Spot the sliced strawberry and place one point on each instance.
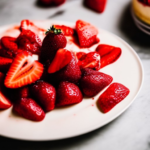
(65, 29)
(23, 71)
(4, 101)
(115, 93)
(110, 57)
(87, 33)
(29, 109)
(28, 25)
(61, 59)
(29, 41)
(58, 2)
(5, 63)
(104, 49)
(9, 47)
(89, 60)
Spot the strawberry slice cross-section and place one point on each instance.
(23, 71)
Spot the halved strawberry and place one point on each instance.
(61, 59)
(108, 53)
(4, 101)
(28, 25)
(65, 29)
(5, 63)
(23, 71)
(87, 33)
(89, 60)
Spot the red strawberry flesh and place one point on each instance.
(4, 101)
(68, 94)
(23, 71)
(115, 93)
(89, 60)
(70, 73)
(65, 29)
(61, 59)
(29, 109)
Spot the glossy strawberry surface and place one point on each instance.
(89, 60)
(93, 82)
(114, 94)
(45, 94)
(51, 43)
(67, 94)
(9, 47)
(87, 33)
(29, 109)
(29, 41)
(70, 73)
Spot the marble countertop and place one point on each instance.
(131, 130)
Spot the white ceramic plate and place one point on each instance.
(83, 117)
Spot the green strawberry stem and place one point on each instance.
(53, 30)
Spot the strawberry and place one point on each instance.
(61, 59)
(45, 94)
(9, 47)
(89, 60)
(5, 63)
(29, 41)
(28, 25)
(109, 54)
(45, 2)
(4, 101)
(58, 2)
(94, 82)
(65, 29)
(23, 71)
(70, 73)
(96, 5)
(29, 109)
(53, 41)
(114, 94)
(22, 92)
(67, 94)
(104, 49)
(87, 33)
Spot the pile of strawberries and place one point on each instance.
(59, 76)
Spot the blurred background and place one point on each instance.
(131, 130)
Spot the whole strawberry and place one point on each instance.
(53, 41)
(45, 94)
(29, 109)
(67, 94)
(93, 82)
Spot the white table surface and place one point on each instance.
(131, 130)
